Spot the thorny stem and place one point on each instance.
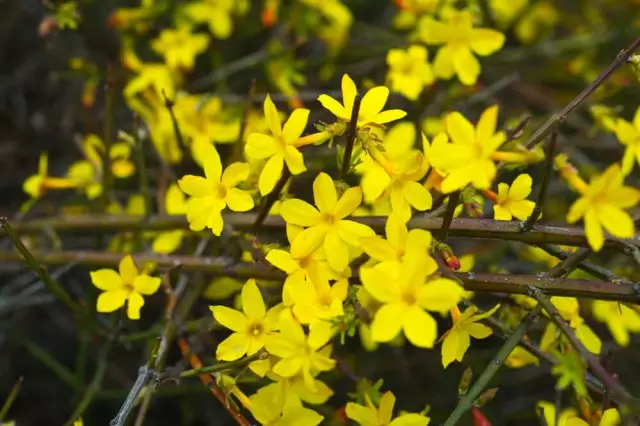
(107, 175)
(557, 119)
(448, 215)
(15, 389)
(352, 133)
(466, 402)
(595, 270)
(544, 186)
(225, 266)
(608, 381)
(571, 262)
(58, 291)
(460, 227)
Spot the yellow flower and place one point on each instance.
(126, 286)
(315, 300)
(603, 204)
(469, 158)
(282, 147)
(370, 114)
(629, 135)
(370, 415)
(300, 353)
(250, 329)
(212, 193)
(175, 204)
(620, 319)
(392, 171)
(326, 224)
(398, 243)
(549, 413)
(610, 417)
(409, 72)
(276, 405)
(570, 311)
(180, 46)
(512, 200)
(158, 77)
(405, 292)
(217, 14)
(465, 325)
(460, 41)
(520, 357)
(36, 185)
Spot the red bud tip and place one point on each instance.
(478, 418)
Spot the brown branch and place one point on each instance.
(479, 282)
(460, 227)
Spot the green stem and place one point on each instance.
(466, 402)
(544, 186)
(12, 397)
(215, 368)
(351, 136)
(62, 372)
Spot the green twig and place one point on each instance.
(12, 397)
(168, 104)
(269, 201)
(352, 134)
(528, 224)
(58, 291)
(215, 368)
(608, 381)
(466, 402)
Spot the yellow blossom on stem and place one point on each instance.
(405, 291)
(276, 405)
(158, 77)
(370, 114)
(465, 325)
(315, 300)
(409, 72)
(520, 357)
(620, 319)
(398, 243)
(469, 157)
(36, 185)
(629, 135)
(370, 415)
(610, 417)
(180, 46)
(549, 412)
(326, 225)
(461, 40)
(300, 353)
(251, 327)
(602, 205)
(512, 200)
(570, 311)
(126, 285)
(214, 192)
(393, 171)
(218, 14)
(282, 147)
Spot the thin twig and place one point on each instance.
(216, 368)
(169, 103)
(466, 402)
(460, 227)
(58, 291)
(608, 381)
(6, 406)
(544, 186)
(557, 119)
(570, 263)
(107, 175)
(595, 270)
(144, 375)
(269, 201)
(473, 281)
(351, 135)
(448, 216)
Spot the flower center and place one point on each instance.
(221, 192)
(409, 298)
(327, 218)
(324, 301)
(255, 330)
(128, 287)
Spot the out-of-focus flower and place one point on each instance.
(409, 72)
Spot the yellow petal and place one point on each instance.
(111, 300)
(211, 163)
(420, 328)
(106, 279)
(234, 174)
(282, 260)
(230, 318)
(167, 242)
(272, 117)
(349, 92)
(294, 159)
(324, 193)
(134, 304)
(379, 249)
(501, 213)
(387, 323)
(435, 32)
(336, 251)
(295, 125)
(271, 174)
(252, 302)
(260, 146)
(479, 331)
(361, 414)
(308, 241)
(467, 66)
(374, 182)
(616, 221)
(522, 209)
(454, 347)
(353, 232)
(348, 203)
(232, 348)
(485, 41)
(373, 101)
(611, 417)
(417, 195)
(239, 200)
(145, 284)
(128, 270)
(440, 294)
(299, 212)
(333, 106)
(385, 408)
(443, 63)
(521, 187)
(460, 130)
(388, 116)
(195, 186)
(487, 126)
(376, 282)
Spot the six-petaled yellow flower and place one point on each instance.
(214, 192)
(251, 327)
(409, 72)
(326, 224)
(621, 319)
(180, 46)
(398, 243)
(458, 337)
(461, 40)
(127, 285)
